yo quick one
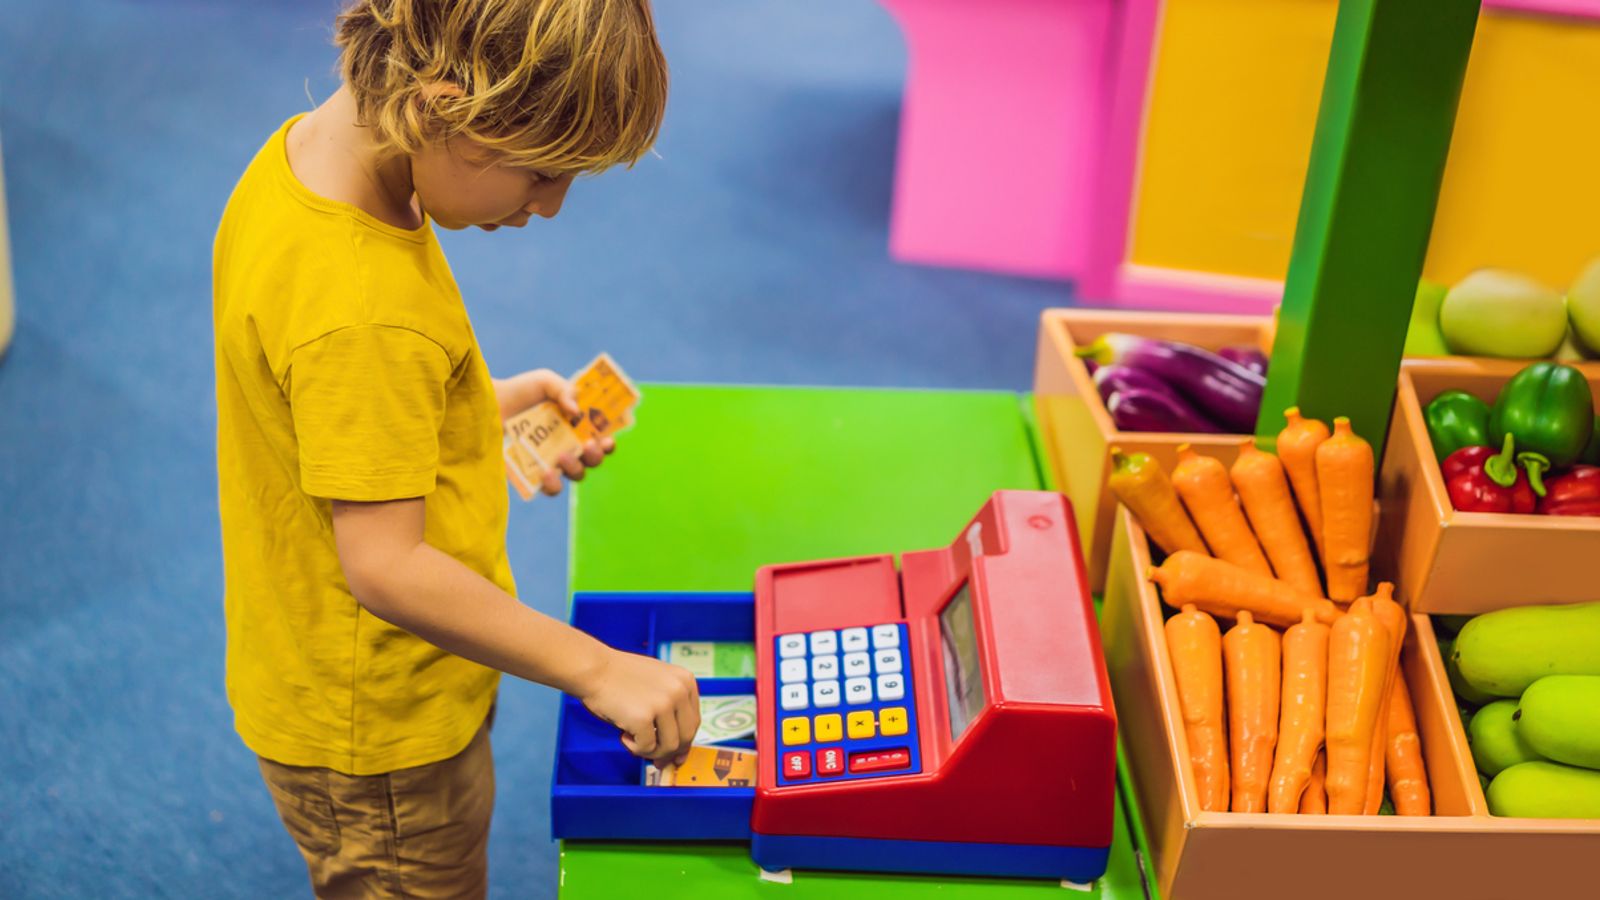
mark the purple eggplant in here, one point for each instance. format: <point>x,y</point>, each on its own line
<point>1226,392</point>
<point>1136,409</point>
<point>1249,357</point>
<point>1110,379</point>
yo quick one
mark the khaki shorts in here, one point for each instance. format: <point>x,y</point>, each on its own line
<point>421,832</point>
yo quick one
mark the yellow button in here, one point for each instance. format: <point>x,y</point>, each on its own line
<point>796,730</point>
<point>829,727</point>
<point>893,721</point>
<point>861,724</point>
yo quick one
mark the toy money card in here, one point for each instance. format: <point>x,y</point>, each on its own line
<point>706,767</point>
<point>536,439</point>
<point>729,717</point>
<point>711,659</point>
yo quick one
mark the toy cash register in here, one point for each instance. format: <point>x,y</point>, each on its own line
<point>953,716</point>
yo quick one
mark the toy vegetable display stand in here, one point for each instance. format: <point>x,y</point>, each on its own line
<point>1371,191</point>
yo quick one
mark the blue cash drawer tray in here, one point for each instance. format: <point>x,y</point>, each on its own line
<point>598,787</point>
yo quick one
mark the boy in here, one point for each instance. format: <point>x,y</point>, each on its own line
<point>368,597</point>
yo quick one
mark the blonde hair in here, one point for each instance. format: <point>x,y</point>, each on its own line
<point>559,86</point>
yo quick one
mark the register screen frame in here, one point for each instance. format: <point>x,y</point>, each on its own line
<point>966,695</point>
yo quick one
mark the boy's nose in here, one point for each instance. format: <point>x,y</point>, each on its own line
<point>548,201</point>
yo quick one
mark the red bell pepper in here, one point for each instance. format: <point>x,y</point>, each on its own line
<point>1577,493</point>
<point>1479,479</point>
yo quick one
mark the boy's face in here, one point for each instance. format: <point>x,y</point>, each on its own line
<point>460,184</point>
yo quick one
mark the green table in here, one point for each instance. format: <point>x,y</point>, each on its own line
<point>717,481</point>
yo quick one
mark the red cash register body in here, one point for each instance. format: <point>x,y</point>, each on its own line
<point>1023,783</point>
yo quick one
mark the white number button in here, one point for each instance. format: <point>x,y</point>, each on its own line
<point>857,665</point>
<point>824,668</point>
<point>793,696</point>
<point>854,639</point>
<point>891,687</point>
<point>824,643</point>
<point>886,662</point>
<point>792,670</point>
<point>858,691</point>
<point>885,636</point>
<point>791,646</point>
<point>824,693</point>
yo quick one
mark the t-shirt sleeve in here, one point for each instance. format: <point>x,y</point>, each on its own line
<point>368,403</point>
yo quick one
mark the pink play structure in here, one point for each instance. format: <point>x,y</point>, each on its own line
<point>994,171</point>
<point>1020,142</point>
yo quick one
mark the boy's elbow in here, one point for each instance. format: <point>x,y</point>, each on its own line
<point>375,588</point>
<point>383,579</point>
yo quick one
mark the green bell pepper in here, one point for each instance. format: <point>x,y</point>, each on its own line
<point>1456,419</point>
<point>1550,409</point>
<point>1591,453</point>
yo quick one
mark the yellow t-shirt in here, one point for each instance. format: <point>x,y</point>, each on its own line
<point>346,369</point>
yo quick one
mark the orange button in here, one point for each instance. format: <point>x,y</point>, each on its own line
<point>829,727</point>
<point>892,721</point>
<point>861,724</point>
<point>796,730</point>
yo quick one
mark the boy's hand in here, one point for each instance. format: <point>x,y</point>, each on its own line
<point>656,704</point>
<point>529,389</point>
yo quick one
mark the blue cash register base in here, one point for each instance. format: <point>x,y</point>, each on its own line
<point>953,717</point>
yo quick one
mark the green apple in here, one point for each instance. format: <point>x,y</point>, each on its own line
<point>1423,337</point>
<point>1493,312</point>
<point>1583,307</point>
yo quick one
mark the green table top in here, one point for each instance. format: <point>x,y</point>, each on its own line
<point>716,481</point>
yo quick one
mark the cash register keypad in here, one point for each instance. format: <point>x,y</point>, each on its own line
<point>840,694</point>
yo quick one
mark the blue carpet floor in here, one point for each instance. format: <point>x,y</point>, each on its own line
<point>751,250</point>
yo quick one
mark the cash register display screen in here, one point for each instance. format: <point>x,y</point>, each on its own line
<point>958,634</point>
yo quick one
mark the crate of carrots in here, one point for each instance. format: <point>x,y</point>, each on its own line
<point>1278,708</point>
<point>1218,360</point>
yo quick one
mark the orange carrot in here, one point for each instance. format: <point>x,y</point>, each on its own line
<point>1344,476</point>
<point>1223,589</point>
<point>1203,484</point>
<point>1314,802</point>
<point>1297,448</point>
<point>1144,488</point>
<point>1304,702</point>
<point>1408,776</point>
<point>1393,617</point>
<point>1250,652</point>
<point>1195,645</point>
<point>1264,491</point>
<point>1358,648</point>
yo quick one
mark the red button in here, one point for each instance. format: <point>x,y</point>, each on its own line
<point>880,760</point>
<point>797,764</point>
<point>830,761</point>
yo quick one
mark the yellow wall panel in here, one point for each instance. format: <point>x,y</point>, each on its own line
<point>1233,103</point>
<point>1522,185</point>
<point>1232,106</point>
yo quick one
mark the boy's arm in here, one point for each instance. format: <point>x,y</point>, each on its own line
<point>398,577</point>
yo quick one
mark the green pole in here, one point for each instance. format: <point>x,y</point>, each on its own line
<point>1377,159</point>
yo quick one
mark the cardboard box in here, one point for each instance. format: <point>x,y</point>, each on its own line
<point>1461,852</point>
<point>1445,561</point>
<point>1077,430</point>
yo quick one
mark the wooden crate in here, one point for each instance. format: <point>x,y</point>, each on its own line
<point>1445,561</point>
<point>1077,430</point>
<point>1462,852</point>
